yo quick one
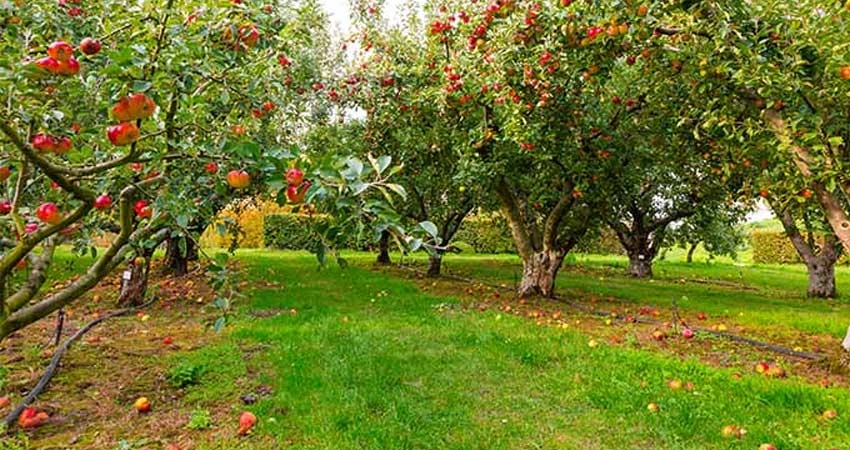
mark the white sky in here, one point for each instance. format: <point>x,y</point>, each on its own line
<point>340,13</point>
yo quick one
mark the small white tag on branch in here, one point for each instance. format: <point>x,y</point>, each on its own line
<point>846,343</point>
<point>127,275</point>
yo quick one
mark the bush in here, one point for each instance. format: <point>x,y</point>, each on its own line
<point>486,234</point>
<point>603,242</point>
<point>774,247</point>
<point>250,216</point>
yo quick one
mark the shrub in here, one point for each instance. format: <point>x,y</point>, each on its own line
<point>249,215</point>
<point>299,232</point>
<point>603,242</point>
<point>486,234</point>
<point>774,247</point>
<point>186,375</point>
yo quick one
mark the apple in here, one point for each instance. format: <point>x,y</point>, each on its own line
<point>48,64</point>
<point>5,207</point>
<point>142,209</point>
<point>133,107</point>
<point>48,213</point>
<point>238,179</point>
<point>90,46</point>
<point>296,194</point>
<point>211,167</point>
<point>102,202</point>
<point>702,316</point>
<point>168,340</point>
<point>63,145</point>
<point>123,134</point>
<point>44,142</point>
<point>845,73</point>
<point>806,193</point>
<point>30,418</point>
<point>249,35</point>
<point>247,420</point>
<point>730,431</point>
<point>172,447</point>
<point>5,173</point>
<point>238,129</point>
<point>775,371</point>
<point>268,105</point>
<point>136,166</point>
<point>69,67</point>
<point>5,401</point>
<point>142,405</point>
<point>687,333</point>
<point>767,447</point>
<point>762,367</point>
<point>294,176</point>
<point>60,51</point>
<point>652,407</point>
<point>659,335</point>
<point>829,414</point>
<point>675,384</point>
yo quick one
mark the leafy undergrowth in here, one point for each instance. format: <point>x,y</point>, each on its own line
<point>360,359</point>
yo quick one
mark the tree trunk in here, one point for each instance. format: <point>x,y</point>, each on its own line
<point>539,272</point>
<point>640,265</point>
<point>177,262</point>
<point>691,253</point>
<point>435,262</point>
<point>384,248</point>
<point>134,282</point>
<point>821,277</point>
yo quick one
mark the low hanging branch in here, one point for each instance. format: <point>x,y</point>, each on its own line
<point>10,419</point>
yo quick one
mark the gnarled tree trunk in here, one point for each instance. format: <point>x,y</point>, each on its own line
<point>821,277</point>
<point>640,265</point>
<point>384,248</point>
<point>691,250</point>
<point>435,262</point>
<point>539,273</point>
<point>176,261</point>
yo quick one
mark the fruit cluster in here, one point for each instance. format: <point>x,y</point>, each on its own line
<point>298,187</point>
<point>46,143</point>
<point>128,110</point>
<point>59,60</point>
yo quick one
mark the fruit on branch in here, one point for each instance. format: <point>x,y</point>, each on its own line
<point>90,46</point>
<point>142,405</point>
<point>5,173</point>
<point>63,145</point>
<point>60,51</point>
<point>133,107</point>
<point>142,209</point>
<point>123,134</point>
<point>211,167</point>
<point>294,177</point>
<point>44,143</point>
<point>48,213</point>
<point>5,207</point>
<point>238,179</point>
<point>296,193</point>
<point>69,67</point>
<point>102,202</point>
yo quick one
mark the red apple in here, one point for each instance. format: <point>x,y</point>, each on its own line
<point>168,340</point>
<point>5,207</point>
<point>142,405</point>
<point>48,213</point>
<point>238,179</point>
<point>102,202</point>
<point>762,367</point>
<point>296,194</point>
<point>249,35</point>
<point>687,333</point>
<point>5,173</point>
<point>123,134</point>
<point>89,46</point>
<point>767,447</point>
<point>142,209</point>
<point>702,316</point>
<point>136,166</point>
<point>30,418</point>
<point>133,107</point>
<point>294,176</point>
<point>48,64</point>
<point>268,105</point>
<point>211,167</point>
<point>44,143</point>
<point>829,414</point>
<point>69,67</point>
<point>675,384</point>
<point>845,73</point>
<point>60,51</point>
<point>63,145</point>
<point>247,420</point>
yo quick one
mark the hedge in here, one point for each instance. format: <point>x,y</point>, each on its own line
<point>250,215</point>
<point>774,247</point>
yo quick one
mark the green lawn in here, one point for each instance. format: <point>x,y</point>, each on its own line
<point>371,362</point>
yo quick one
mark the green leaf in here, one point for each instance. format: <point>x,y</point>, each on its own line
<point>429,228</point>
<point>219,324</point>
<point>398,189</point>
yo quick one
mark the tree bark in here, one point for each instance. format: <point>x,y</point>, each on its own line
<point>821,277</point>
<point>384,248</point>
<point>177,262</point>
<point>435,263</point>
<point>691,253</point>
<point>640,265</point>
<point>539,273</point>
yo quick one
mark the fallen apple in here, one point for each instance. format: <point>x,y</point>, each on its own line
<point>142,405</point>
<point>247,420</point>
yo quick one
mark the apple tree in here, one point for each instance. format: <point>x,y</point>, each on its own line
<point>141,120</point>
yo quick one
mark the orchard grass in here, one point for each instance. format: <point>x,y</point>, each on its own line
<point>360,359</point>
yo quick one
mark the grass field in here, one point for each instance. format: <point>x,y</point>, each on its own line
<point>358,359</point>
